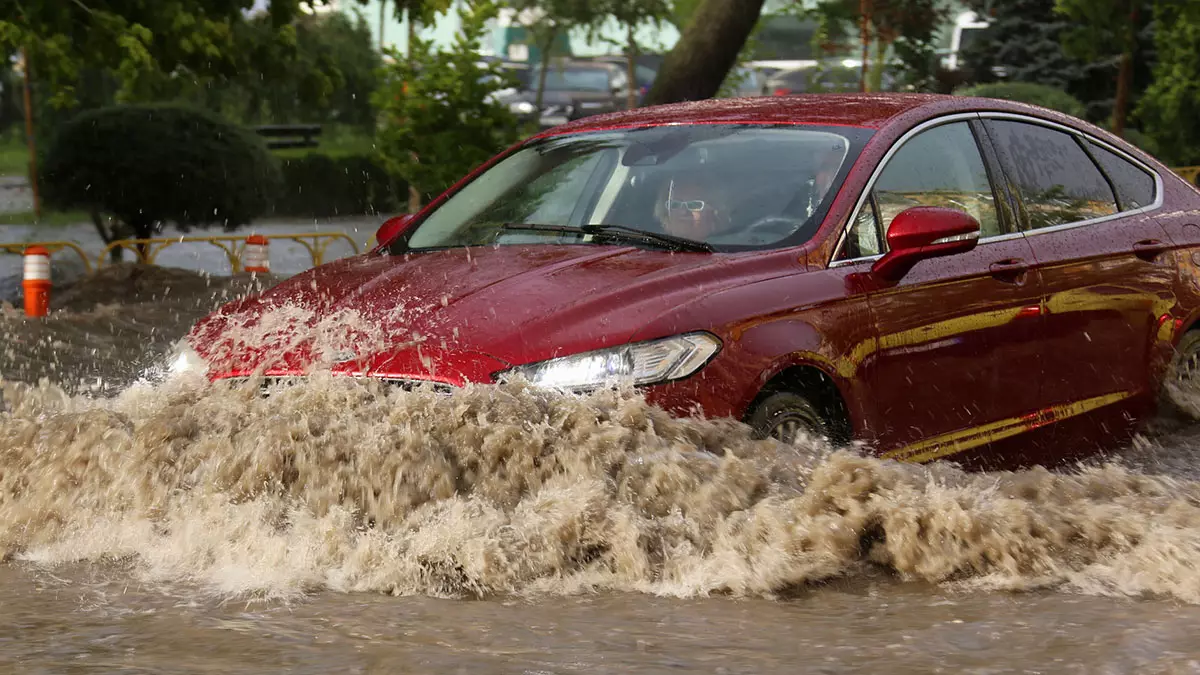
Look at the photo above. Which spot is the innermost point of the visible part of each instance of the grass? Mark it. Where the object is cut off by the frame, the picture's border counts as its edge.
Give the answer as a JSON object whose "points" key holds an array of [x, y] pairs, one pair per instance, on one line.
{"points": [[52, 218], [14, 156]]}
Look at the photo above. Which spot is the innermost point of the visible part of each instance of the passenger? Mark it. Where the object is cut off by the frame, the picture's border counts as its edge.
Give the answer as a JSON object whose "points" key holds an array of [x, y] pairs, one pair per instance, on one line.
{"points": [[692, 206]]}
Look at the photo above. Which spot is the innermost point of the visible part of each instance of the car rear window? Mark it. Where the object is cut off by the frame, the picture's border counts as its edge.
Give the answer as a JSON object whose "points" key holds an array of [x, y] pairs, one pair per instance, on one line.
{"points": [[1135, 185]]}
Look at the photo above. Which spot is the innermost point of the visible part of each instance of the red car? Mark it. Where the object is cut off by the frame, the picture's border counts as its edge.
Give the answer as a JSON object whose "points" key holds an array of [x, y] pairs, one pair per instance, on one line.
{"points": [[941, 277]]}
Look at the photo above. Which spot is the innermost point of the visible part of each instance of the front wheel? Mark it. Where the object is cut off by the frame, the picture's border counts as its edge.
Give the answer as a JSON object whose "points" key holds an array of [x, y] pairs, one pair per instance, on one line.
{"points": [[1182, 381], [784, 415]]}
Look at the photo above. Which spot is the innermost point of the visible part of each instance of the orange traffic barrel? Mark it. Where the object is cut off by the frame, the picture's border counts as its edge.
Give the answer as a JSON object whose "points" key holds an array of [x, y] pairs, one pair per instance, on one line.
{"points": [[256, 256], [37, 281]]}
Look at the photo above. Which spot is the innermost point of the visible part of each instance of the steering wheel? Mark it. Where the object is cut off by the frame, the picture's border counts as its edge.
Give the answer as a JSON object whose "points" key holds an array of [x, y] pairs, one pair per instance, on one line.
{"points": [[777, 225]]}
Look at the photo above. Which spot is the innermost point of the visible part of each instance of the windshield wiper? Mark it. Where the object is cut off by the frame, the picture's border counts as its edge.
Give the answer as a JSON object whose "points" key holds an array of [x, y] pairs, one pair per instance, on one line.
{"points": [[620, 233]]}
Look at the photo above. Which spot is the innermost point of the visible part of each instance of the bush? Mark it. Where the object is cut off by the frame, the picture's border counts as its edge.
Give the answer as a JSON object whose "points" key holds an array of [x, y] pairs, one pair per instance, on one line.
{"points": [[1027, 92], [147, 165], [317, 185]]}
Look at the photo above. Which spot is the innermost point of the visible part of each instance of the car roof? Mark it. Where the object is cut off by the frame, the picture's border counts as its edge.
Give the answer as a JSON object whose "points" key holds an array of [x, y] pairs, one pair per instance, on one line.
{"points": [[871, 110]]}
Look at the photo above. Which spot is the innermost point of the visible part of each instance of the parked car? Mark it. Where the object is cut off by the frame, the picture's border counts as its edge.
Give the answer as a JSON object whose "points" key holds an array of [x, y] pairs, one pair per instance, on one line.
{"points": [[573, 90], [645, 69], [941, 277], [835, 76]]}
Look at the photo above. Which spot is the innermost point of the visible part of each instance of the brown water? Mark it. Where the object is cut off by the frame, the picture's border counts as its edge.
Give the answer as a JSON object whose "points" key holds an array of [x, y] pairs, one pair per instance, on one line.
{"points": [[339, 526]]}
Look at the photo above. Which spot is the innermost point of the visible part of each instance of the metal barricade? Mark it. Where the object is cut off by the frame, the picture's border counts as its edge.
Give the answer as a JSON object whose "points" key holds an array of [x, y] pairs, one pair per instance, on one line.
{"points": [[51, 246], [146, 250]]}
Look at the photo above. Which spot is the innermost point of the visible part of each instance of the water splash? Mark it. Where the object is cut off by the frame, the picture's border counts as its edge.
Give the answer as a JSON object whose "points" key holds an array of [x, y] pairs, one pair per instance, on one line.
{"points": [[499, 490]]}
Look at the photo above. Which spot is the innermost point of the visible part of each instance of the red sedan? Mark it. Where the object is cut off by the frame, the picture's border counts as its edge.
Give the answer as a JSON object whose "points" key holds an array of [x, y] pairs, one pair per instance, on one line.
{"points": [[941, 277]]}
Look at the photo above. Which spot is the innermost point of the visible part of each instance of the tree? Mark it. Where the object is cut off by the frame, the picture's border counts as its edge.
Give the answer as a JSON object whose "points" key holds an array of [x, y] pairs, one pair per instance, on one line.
{"points": [[439, 115], [146, 165], [132, 37], [906, 26], [707, 49], [546, 22], [629, 15], [1168, 107], [323, 69], [1026, 43], [1101, 27]]}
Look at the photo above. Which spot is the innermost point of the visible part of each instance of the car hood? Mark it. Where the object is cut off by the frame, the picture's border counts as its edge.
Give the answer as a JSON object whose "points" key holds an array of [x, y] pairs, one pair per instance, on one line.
{"points": [[488, 307]]}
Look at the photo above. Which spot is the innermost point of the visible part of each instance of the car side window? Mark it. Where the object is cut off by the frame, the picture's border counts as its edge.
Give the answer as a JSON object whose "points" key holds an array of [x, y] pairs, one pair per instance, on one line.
{"points": [[1057, 181], [1134, 185], [938, 167], [864, 238]]}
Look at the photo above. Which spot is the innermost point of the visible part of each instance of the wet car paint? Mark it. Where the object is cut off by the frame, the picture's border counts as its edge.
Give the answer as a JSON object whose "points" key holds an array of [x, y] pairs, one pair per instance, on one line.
{"points": [[940, 365]]}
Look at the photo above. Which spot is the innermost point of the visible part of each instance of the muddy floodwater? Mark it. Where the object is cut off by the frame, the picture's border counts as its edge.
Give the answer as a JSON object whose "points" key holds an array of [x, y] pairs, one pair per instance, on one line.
{"points": [[174, 526]]}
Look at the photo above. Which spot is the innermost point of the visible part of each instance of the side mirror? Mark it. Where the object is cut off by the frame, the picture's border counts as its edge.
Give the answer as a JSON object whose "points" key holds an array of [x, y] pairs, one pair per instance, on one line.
{"points": [[391, 227], [923, 232]]}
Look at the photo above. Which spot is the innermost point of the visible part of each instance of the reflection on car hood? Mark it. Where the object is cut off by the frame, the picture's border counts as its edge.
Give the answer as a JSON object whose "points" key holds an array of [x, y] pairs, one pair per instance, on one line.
{"points": [[513, 303]]}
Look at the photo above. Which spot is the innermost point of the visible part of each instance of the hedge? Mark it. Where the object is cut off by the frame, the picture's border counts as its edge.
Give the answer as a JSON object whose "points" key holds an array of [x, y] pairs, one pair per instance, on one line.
{"points": [[320, 186]]}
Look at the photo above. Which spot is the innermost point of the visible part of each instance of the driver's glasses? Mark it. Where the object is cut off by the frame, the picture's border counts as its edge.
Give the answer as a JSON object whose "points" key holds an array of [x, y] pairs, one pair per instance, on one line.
{"points": [[692, 205]]}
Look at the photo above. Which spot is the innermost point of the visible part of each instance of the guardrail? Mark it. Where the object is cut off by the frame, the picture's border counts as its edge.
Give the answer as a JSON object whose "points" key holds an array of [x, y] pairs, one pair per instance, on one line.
{"points": [[147, 250]]}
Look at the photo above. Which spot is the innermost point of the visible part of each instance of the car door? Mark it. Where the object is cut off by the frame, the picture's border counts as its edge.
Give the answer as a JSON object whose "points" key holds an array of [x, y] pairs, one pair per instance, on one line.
{"points": [[952, 373], [1108, 274]]}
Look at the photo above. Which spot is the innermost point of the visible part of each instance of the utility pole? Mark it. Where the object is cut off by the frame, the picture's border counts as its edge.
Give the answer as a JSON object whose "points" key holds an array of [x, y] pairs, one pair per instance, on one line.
{"points": [[37, 205]]}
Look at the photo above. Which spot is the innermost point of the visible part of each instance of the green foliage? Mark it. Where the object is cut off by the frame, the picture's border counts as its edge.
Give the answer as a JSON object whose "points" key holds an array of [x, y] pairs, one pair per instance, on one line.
{"points": [[147, 165], [319, 69], [1027, 92], [681, 12], [1168, 108], [135, 38], [317, 185], [420, 12], [1027, 41], [439, 116]]}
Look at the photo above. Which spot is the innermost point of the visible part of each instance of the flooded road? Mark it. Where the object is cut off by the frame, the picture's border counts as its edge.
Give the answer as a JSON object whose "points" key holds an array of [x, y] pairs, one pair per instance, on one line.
{"points": [[341, 526]]}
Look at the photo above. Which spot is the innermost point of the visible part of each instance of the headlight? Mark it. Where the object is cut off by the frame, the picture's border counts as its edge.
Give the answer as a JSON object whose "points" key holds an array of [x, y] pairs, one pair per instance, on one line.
{"points": [[522, 107], [188, 361], [640, 363]]}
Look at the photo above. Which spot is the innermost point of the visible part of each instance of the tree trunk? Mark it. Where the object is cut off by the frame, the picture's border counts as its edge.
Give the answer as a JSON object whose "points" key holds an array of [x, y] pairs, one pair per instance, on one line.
{"points": [[544, 48], [877, 68], [1125, 73], [108, 236], [630, 69], [414, 194], [864, 23], [706, 51]]}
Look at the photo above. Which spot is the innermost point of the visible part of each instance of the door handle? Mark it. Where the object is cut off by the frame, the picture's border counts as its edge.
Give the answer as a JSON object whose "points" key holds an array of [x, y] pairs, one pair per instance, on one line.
{"points": [[1009, 269], [1149, 249]]}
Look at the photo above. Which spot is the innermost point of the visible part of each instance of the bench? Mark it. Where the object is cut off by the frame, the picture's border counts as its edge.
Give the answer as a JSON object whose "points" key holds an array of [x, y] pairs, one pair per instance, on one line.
{"points": [[281, 136]]}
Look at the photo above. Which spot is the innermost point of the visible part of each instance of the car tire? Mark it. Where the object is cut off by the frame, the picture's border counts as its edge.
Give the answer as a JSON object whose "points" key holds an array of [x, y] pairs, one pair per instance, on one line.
{"points": [[783, 414], [1184, 372]]}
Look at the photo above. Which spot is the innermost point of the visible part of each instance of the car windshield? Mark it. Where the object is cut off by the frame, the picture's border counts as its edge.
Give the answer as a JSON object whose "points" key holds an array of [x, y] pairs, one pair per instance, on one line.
{"points": [[731, 187], [573, 79]]}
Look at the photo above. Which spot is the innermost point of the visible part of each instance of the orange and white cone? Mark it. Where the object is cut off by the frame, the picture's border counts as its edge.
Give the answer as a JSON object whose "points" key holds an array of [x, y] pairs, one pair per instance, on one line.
{"points": [[37, 281], [256, 256]]}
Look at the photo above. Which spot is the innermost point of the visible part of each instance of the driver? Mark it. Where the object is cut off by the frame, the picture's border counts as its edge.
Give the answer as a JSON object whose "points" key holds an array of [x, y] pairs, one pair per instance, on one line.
{"points": [[692, 206]]}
